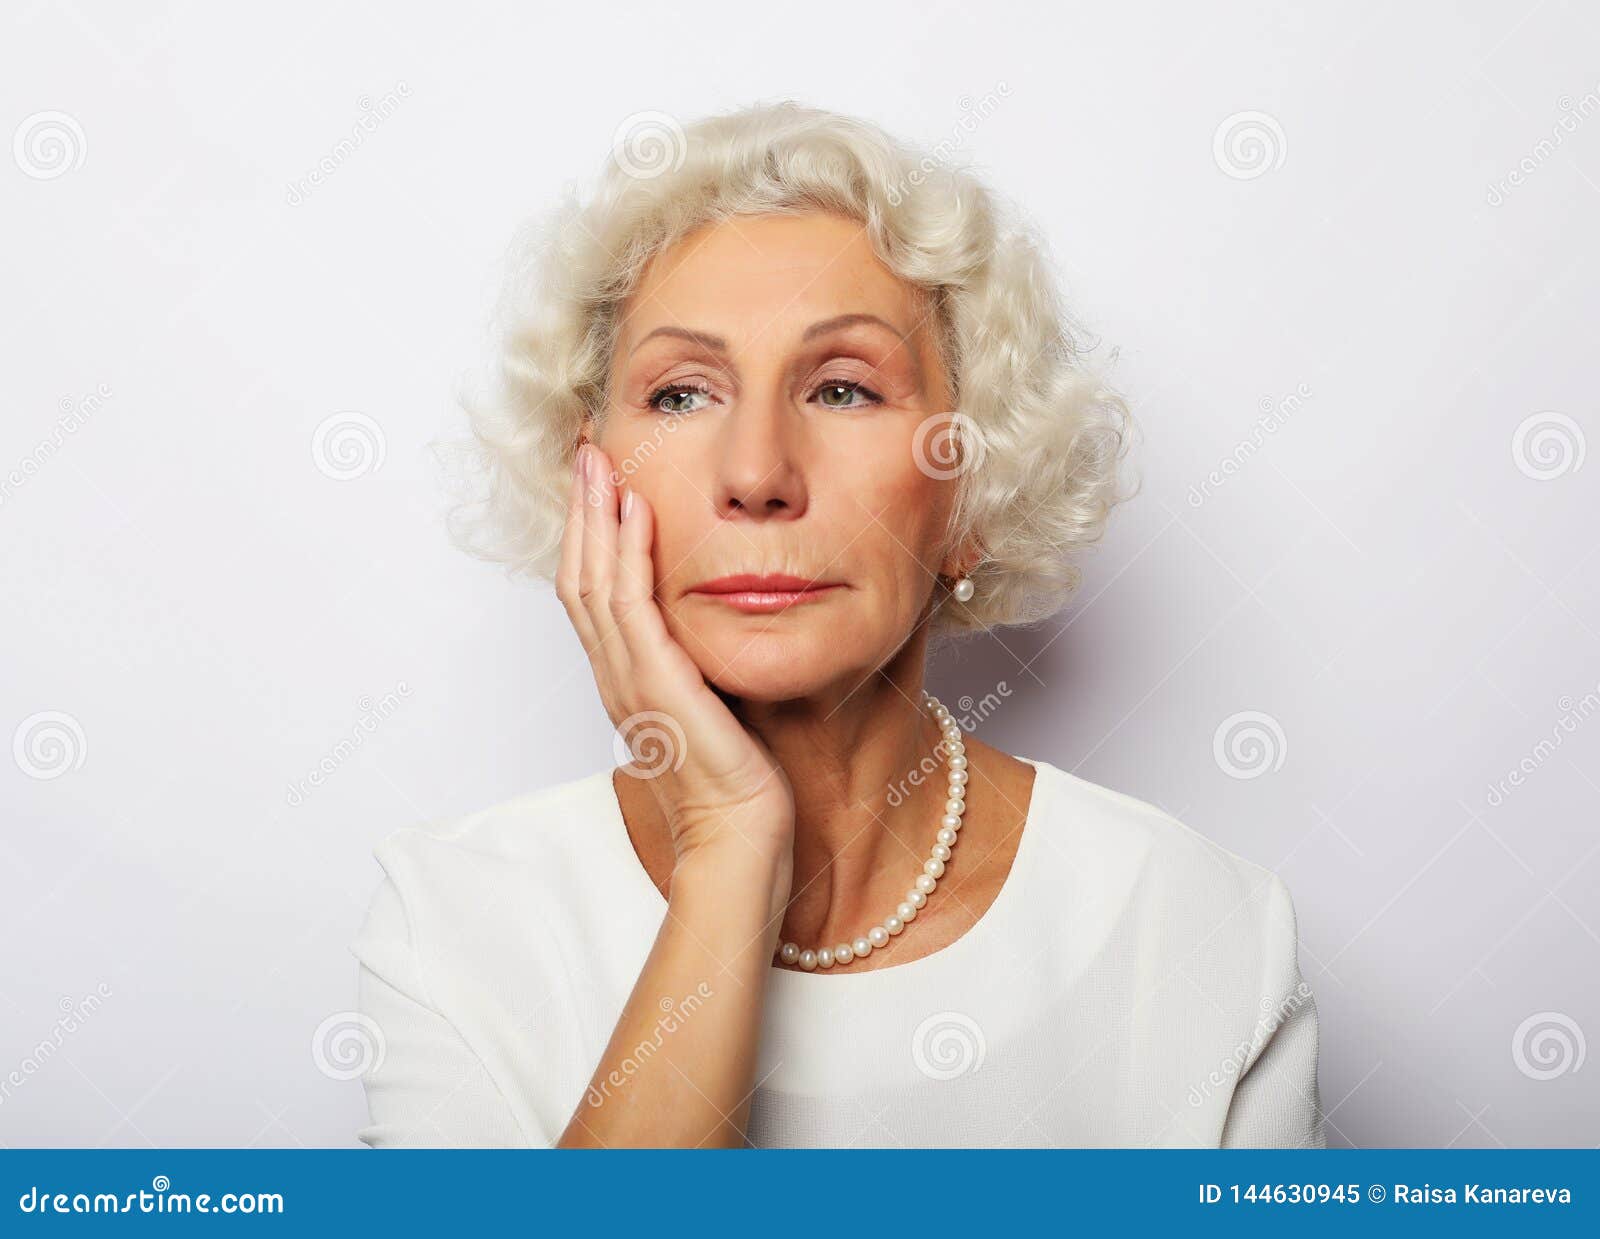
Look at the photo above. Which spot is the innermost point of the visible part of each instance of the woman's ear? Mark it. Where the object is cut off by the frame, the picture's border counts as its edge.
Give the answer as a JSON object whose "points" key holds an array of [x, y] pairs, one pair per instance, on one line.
{"points": [[964, 559]]}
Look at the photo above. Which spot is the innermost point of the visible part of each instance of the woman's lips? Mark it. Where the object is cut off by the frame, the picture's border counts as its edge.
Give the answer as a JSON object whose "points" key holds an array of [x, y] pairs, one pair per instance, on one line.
{"points": [[763, 595], [777, 600]]}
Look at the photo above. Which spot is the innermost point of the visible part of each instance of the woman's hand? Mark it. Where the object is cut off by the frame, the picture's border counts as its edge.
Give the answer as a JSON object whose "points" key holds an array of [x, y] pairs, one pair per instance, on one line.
{"points": [[731, 812], [721, 789]]}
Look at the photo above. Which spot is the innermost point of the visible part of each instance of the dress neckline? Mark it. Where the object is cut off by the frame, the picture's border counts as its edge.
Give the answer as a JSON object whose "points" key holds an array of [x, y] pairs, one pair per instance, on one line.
{"points": [[990, 926]]}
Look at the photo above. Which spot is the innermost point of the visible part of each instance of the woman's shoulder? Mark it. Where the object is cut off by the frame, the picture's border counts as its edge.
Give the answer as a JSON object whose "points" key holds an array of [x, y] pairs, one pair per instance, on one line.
{"points": [[541, 841], [1158, 862], [551, 816]]}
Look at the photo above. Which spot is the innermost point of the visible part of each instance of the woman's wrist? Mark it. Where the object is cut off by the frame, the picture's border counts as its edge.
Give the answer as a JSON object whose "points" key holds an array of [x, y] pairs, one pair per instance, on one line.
{"points": [[721, 868], [738, 884]]}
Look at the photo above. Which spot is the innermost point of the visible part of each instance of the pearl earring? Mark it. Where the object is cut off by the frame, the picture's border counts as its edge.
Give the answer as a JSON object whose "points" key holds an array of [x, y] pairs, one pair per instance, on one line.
{"points": [[963, 589]]}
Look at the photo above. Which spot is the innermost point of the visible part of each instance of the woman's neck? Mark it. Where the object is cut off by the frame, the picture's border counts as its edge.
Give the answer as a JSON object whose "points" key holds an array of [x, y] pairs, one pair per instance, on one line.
{"points": [[869, 787], [863, 820]]}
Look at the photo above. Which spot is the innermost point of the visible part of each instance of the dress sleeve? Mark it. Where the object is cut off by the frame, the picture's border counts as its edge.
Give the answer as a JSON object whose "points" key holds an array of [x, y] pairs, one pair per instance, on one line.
{"points": [[427, 1088], [1276, 1103]]}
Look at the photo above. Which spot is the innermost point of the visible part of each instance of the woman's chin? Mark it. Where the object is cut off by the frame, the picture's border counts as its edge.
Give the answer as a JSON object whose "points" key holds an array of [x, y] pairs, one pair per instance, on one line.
{"points": [[771, 667]]}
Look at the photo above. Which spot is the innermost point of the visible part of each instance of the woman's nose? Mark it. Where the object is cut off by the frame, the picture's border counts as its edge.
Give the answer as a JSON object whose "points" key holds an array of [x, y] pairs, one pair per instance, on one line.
{"points": [[758, 473]]}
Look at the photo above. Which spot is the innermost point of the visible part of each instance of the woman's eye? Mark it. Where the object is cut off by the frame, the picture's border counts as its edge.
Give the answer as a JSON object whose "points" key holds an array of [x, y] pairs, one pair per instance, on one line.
{"points": [[678, 398], [843, 395], [681, 398]]}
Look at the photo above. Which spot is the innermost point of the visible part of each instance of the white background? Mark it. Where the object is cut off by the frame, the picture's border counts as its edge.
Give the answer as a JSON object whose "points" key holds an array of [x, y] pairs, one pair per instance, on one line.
{"points": [[1385, 577]]}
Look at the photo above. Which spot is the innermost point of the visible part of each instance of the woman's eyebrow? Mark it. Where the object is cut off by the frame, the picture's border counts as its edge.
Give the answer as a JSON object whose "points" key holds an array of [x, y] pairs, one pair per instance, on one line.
{"points": [[717, 344], [848, 320], [842, 321]]}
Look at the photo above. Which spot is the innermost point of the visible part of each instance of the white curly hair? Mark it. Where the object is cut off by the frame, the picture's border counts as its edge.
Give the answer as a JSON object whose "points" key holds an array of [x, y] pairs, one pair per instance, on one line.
{"points": [[1051, 431]]}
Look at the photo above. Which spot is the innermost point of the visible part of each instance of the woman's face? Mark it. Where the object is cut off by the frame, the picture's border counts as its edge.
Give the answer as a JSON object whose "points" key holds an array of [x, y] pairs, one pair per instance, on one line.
{"points": [[771, 396]]}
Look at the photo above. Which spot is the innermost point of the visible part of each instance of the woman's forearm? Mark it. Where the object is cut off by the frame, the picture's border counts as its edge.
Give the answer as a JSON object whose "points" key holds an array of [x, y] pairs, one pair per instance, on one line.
{"points": [[679, 1069]]}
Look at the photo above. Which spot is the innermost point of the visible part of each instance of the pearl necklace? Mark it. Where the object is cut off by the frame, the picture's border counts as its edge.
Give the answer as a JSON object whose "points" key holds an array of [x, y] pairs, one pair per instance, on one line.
{"points": [[932, 869]]}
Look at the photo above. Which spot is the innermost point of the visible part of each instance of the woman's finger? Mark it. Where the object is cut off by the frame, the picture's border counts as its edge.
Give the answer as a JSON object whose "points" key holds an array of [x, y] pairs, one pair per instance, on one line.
{"points": [[601, 571], [656, 657], [599, 544], [660, 669], [570, 567]]}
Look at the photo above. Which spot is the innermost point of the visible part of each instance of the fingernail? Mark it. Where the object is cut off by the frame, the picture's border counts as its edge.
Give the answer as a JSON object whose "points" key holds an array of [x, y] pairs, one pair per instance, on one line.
{"points": [[627, 504]]}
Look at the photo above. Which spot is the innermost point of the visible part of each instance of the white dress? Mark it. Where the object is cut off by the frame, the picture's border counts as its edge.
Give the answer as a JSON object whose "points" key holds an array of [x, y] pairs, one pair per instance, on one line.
{"points": [[1132, 984]]}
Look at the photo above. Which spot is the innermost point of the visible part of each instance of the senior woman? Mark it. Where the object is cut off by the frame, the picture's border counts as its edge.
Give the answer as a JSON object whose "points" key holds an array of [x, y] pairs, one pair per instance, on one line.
{"points": [[776, 411]]}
